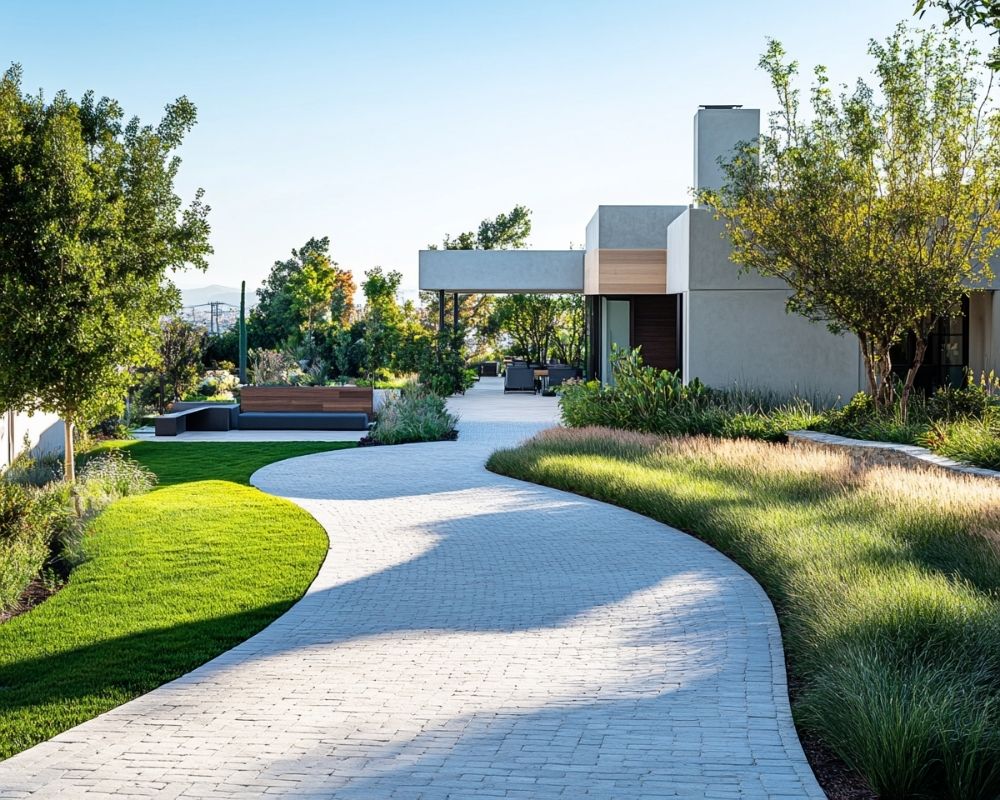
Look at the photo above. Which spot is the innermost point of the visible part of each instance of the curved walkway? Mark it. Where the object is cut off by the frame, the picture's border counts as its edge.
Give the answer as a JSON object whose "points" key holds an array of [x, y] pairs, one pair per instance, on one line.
{"points": [[467, 636]]}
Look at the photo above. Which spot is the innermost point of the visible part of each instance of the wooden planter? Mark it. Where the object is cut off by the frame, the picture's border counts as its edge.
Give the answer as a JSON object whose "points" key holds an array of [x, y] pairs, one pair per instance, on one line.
{"points": [[307, 398]]}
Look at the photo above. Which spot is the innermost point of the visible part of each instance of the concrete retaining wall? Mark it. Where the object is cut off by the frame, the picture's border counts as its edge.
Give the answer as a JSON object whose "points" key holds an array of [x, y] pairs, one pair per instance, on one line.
{"points": [[890, 453]]}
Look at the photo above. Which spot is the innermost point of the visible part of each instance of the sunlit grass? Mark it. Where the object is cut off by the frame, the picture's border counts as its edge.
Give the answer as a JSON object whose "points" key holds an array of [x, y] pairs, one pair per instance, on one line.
{"points": [[171, 579], [885, 581]]}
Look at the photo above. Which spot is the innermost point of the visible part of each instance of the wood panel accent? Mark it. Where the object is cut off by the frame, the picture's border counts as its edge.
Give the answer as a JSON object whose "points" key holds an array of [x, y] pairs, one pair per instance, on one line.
{"points": [[611, 271], [654, 328], [307, 398], [591, 272]]}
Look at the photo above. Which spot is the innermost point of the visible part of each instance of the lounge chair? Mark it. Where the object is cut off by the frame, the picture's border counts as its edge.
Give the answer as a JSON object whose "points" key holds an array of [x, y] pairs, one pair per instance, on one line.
{"points": [[519, 379], [559, 373]]}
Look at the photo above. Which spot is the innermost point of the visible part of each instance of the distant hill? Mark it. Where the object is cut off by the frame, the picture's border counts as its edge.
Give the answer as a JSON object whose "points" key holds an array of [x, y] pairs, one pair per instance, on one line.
{"points": [[215, 293]]}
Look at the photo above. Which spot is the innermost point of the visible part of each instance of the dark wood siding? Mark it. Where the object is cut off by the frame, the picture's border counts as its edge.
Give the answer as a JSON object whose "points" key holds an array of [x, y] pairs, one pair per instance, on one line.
{"points": [[654, 328]]}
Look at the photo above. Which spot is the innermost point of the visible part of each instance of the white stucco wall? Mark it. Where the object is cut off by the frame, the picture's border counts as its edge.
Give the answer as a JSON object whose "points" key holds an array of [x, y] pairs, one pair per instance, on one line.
{"points": [[41, 433], [746, 338], [984, 332], [735, 327], [717, 131]]}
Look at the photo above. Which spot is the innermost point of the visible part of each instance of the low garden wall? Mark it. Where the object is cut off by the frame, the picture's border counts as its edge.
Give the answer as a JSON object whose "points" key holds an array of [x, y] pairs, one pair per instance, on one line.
{"points": [[906, 455]]}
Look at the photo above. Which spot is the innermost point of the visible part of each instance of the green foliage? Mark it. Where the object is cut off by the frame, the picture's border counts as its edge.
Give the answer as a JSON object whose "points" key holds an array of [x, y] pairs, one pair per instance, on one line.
{"points": [[170, 579], [442, 370], [289, 303], [414, 414], [973, 14], [885, 580], [215, 384], [645, 399], [539, 326], [92, 226], [220, 348], [383, 319], [42, 519], [972, 441], [182, 345], [870, 242]]}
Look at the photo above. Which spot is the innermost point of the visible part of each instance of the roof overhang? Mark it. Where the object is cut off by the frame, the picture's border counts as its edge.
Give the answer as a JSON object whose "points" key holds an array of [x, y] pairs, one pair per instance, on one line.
{"points": [[502, 271]]}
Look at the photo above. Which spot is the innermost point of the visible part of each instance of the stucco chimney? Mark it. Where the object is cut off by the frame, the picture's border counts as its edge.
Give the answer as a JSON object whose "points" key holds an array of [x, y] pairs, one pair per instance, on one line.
{"points": [[717, 131]]}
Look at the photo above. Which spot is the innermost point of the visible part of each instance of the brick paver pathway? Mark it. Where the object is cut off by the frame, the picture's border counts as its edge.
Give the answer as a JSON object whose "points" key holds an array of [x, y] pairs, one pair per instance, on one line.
{"points": [[468, 636]]}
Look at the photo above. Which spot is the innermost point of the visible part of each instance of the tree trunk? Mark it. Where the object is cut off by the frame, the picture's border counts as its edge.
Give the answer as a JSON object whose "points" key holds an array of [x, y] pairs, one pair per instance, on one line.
{"points": [[69, 455], [911, 376]]}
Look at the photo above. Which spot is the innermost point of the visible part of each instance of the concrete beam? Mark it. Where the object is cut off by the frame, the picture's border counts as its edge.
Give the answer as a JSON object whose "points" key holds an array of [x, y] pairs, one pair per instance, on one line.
{"points": [[502, 271]]}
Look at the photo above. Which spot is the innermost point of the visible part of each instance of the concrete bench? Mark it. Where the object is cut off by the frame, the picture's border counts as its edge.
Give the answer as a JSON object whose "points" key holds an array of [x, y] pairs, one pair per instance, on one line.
{"points": [[197, 417], [303, 421]]}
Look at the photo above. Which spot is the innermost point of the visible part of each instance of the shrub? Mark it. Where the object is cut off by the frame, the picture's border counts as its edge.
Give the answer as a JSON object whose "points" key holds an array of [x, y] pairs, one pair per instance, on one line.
{"points": [[42, 518], [23, 544], [112, 476], [442, 366], [413, 415], [28, 470], [973, 441], [658, 401], [216, 383]]}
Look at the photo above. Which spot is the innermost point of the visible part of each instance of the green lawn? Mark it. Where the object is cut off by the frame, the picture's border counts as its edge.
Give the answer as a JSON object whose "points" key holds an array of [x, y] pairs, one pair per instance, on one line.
{"points": [[886, 582], [172, 579]]}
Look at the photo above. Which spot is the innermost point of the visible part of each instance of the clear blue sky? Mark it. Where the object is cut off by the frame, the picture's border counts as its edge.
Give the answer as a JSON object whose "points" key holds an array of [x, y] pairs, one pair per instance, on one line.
{"points": [[386, 125]]}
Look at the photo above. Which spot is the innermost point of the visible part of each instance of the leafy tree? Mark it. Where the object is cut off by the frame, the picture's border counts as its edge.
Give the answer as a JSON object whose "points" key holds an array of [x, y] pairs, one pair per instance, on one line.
{"points": [[222, 348], [973, 14], [442, 368], [538, 324], [182, 346], [287, 303], [312, 290], [568, 335], [91, 227], [882, 210], [383, 319]]}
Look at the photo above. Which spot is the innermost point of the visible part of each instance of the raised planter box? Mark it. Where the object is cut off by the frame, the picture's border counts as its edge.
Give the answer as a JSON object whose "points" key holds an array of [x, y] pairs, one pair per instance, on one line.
{"points": [[351, 399]]}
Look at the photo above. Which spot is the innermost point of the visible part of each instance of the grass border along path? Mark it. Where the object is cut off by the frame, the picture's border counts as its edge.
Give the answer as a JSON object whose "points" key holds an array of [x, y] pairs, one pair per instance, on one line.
{"points": [[171, 579], [886, 582]]}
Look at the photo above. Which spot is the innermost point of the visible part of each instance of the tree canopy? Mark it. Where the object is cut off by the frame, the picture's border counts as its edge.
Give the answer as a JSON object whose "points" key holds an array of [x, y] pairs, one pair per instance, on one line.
{"points": [[92, 227], [973, 14], [298, 292], [881, 211]]}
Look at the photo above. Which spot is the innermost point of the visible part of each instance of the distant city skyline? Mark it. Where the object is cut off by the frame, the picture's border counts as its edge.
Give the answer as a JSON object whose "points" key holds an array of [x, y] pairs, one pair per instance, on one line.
{"points": [[386, 126]]}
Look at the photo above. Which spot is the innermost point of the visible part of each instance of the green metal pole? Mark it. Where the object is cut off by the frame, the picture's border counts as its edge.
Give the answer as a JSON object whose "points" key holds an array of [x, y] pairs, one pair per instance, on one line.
{"points": [[243, 332]]}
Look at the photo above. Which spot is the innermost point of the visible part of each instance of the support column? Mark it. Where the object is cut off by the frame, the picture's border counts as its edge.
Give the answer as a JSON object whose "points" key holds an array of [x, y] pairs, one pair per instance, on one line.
{"points": [[454, 312], [441, 309]]}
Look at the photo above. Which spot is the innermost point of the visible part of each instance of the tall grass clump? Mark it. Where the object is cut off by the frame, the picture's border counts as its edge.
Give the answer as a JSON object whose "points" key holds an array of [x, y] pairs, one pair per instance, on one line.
{"points": [[886, 582], [415, 414], [43, 519]]}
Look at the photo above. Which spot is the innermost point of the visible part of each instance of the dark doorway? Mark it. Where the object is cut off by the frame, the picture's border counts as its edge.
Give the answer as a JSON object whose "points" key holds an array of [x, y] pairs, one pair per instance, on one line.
{"points": [[947, 356], [654, 329]]}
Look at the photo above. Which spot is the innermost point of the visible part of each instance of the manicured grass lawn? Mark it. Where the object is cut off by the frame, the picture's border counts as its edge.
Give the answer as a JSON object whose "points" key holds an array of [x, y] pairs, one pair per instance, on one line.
{"points": [[172, 579], [886, 582]]}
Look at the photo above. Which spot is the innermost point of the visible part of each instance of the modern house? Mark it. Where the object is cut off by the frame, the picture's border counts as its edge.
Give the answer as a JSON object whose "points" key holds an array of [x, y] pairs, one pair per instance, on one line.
{"points": [[660, 277]]}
